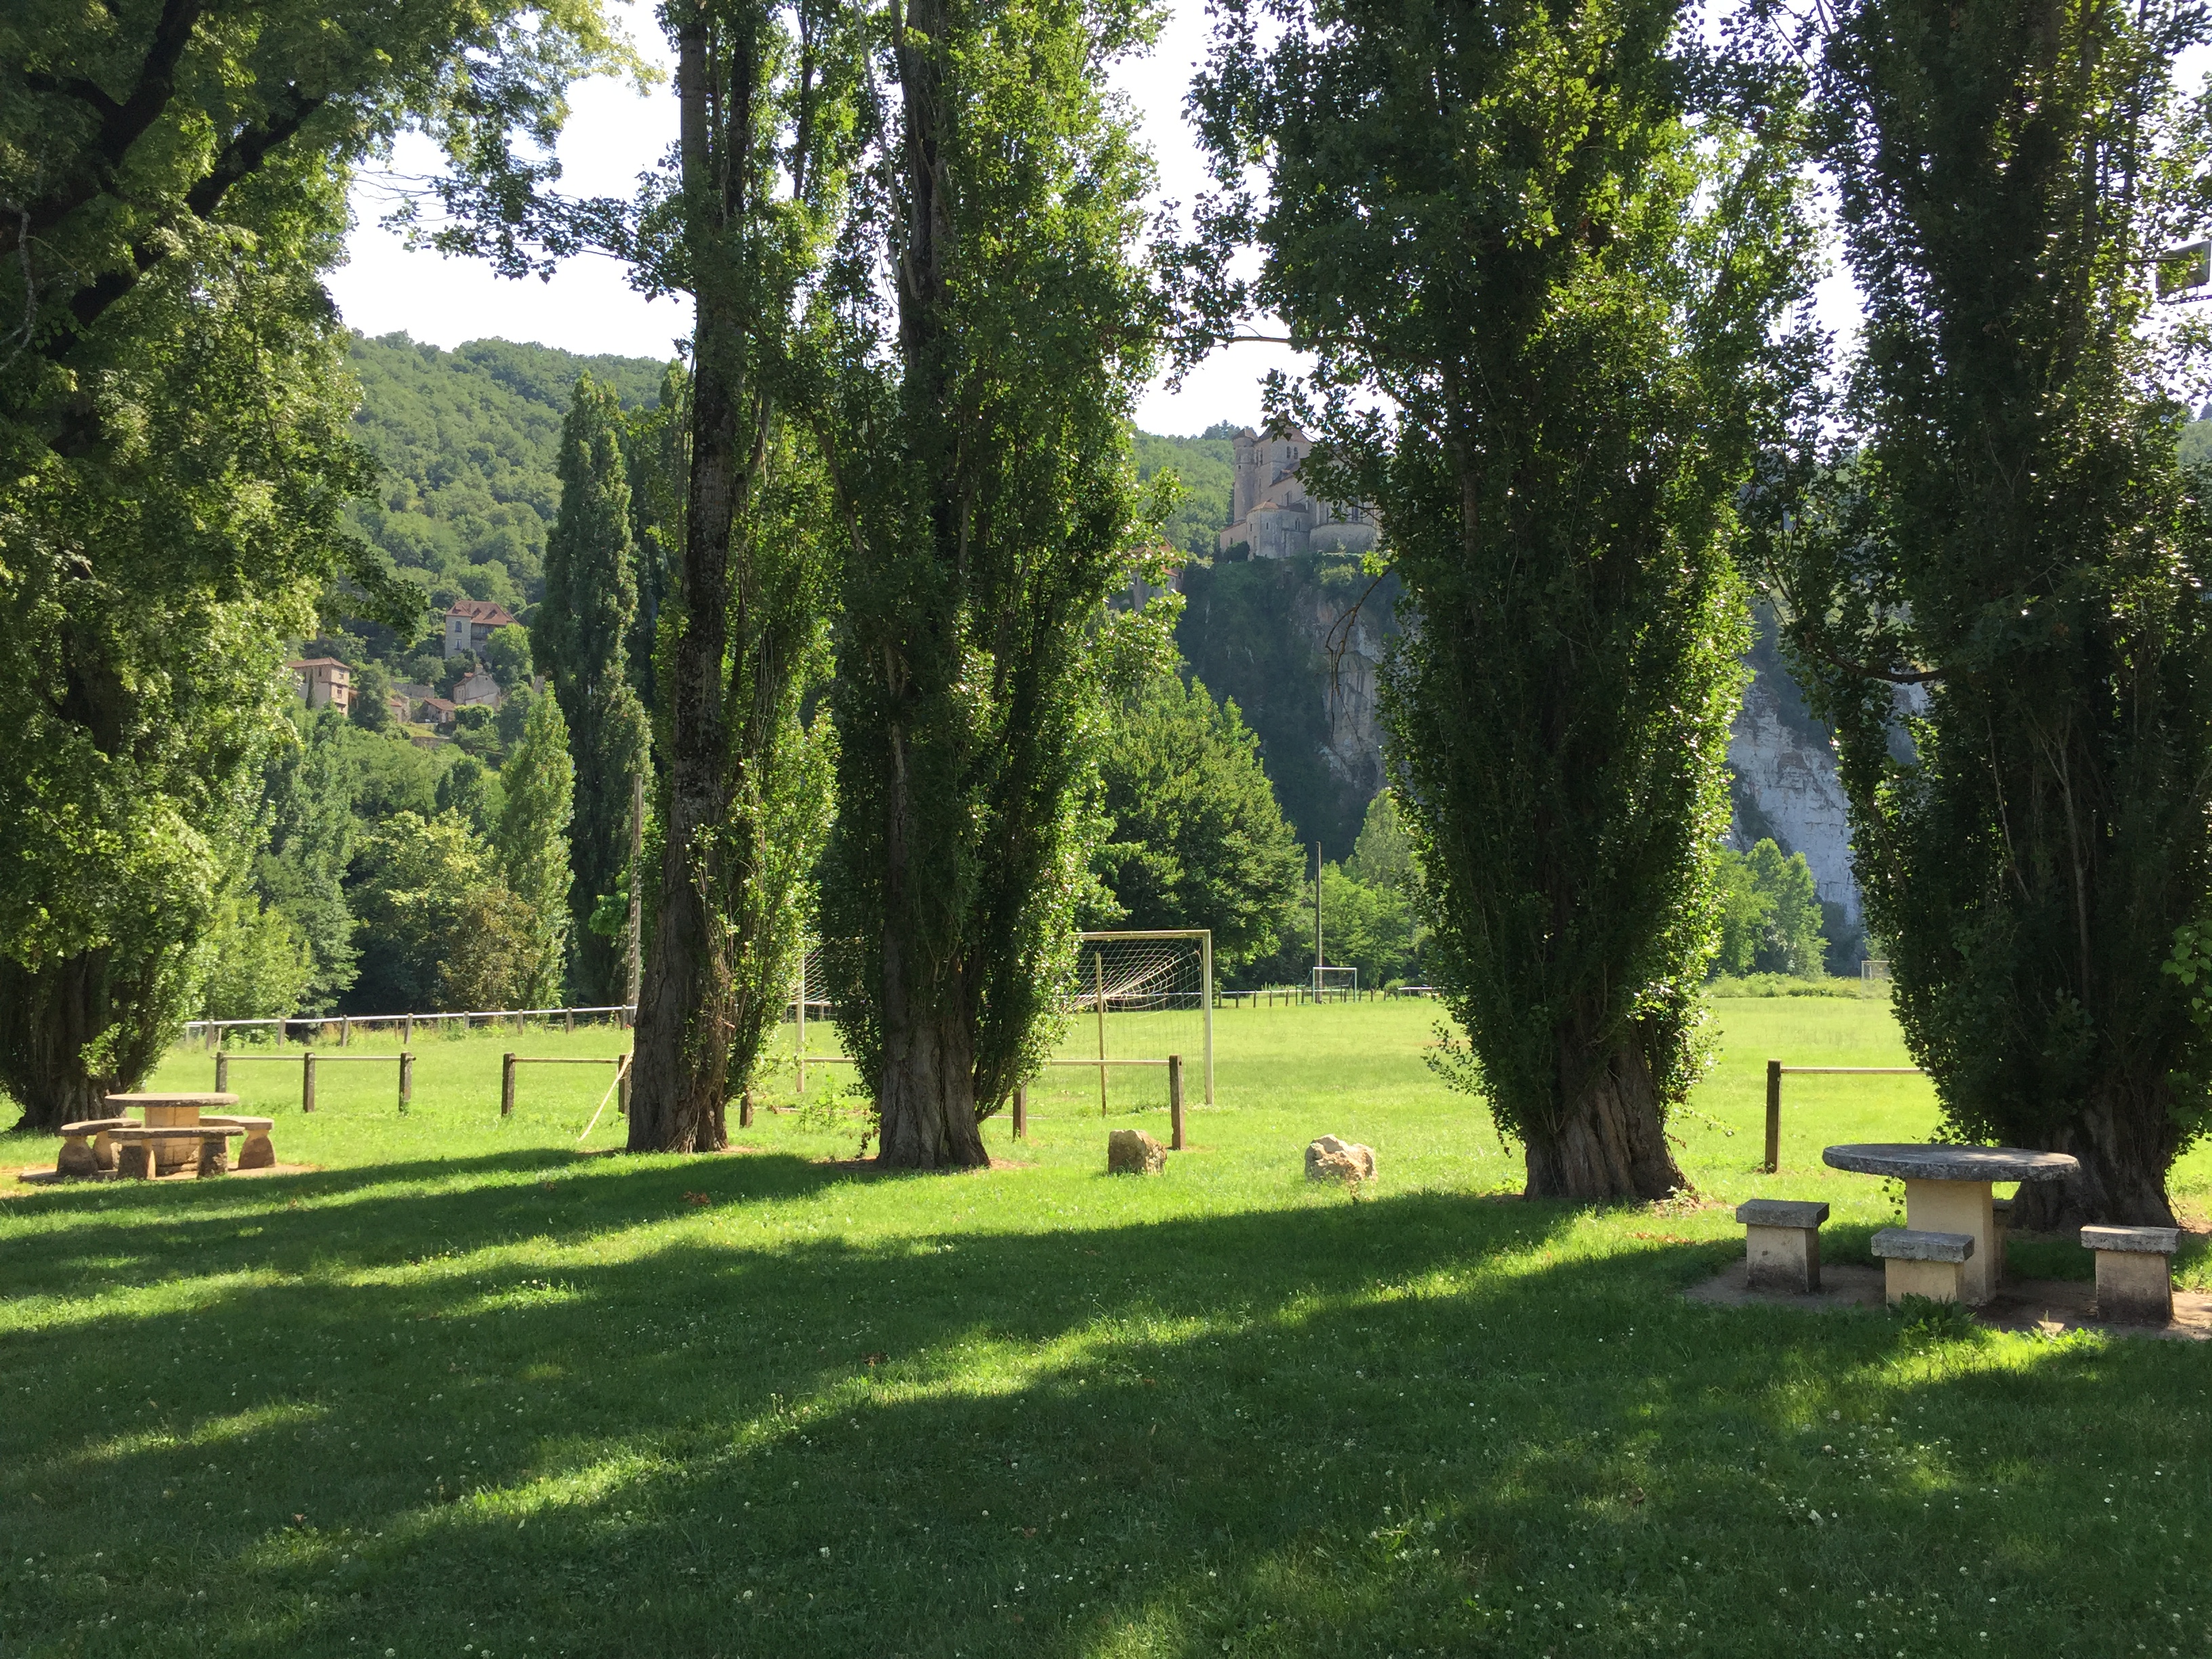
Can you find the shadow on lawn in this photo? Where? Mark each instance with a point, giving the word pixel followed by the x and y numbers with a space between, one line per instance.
pixel 1373 1427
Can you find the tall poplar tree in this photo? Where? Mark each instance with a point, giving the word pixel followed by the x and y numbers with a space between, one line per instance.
pixel 981 446
pixel 536 806
pixel 1995 585
pixel 581 640
pixel 1563 276
pixel 766 94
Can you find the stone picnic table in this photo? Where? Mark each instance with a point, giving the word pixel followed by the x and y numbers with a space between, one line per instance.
pixel 1946 1190
pixel 170 1132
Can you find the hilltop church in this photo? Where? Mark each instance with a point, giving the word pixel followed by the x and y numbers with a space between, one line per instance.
pixel 1274 516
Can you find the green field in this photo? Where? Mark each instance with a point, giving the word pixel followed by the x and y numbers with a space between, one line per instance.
pixel 464 1391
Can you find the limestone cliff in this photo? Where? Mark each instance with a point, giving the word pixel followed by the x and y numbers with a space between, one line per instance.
pixel 1783 761
pixel 1297 642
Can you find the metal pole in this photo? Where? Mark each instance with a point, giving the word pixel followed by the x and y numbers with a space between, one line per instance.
pixel 1206 964
pixel 406 1078
pixel 307 1081
pixel 507 1085
pixel 1098 985
pixel 1319 961
pixel 1174 1103
pixel 1773 1116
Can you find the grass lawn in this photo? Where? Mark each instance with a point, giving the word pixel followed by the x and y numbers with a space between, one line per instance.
pixel 465 1392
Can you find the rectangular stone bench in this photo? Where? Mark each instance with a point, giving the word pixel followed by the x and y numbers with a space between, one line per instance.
pixel 2135 1272
pixel 256 1153
pixel 135 1159
pixel 1920 1263
pixel 88 1146
pixel 1781 1244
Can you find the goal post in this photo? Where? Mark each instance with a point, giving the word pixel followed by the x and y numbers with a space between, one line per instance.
pixel 1335 981
pixel 1140 995
pixel 1149 993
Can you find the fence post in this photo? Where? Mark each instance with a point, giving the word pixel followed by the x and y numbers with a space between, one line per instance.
pixel 1021 1111
pixel 568 1021
pixel 345 1030
pixel 746 1109
pixel 1174 1103
pixel 622 1086
pixel 406 1078
pixel 307 1081
pixel 1773 1116
pixel 407 1030
pixel 507 1085
pixel 222 1072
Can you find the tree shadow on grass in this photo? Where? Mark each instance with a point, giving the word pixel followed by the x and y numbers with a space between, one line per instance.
pixel 1420 1425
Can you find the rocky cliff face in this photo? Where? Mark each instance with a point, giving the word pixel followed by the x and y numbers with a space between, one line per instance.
pixel 1281 638
pixel 1784 785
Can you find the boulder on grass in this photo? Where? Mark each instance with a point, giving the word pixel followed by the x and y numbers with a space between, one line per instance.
pixel 1132 1151
pixel 1331 1158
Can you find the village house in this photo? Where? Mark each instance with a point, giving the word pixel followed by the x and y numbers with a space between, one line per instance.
pixel 477 688
pixel 324 682
pixel 470 625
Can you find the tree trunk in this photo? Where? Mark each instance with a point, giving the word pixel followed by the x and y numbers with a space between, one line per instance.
pixel 2125 1144
pixel 46 1021
pixel 926 1096
pixel 1608 1137
pixel 681 1068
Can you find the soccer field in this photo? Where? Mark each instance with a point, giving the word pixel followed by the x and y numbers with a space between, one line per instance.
pixel 468 1389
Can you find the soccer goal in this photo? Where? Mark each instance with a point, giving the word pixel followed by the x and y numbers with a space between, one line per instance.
pixel 1336 984
pixel 1874 976
pixel 1139 996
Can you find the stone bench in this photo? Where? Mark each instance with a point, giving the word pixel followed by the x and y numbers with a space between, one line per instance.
pixel 2135 1272
pixel 256 1153
pixel 88 1146
pixel 134 1145
pixel 1781 1244
pixel 1915 1262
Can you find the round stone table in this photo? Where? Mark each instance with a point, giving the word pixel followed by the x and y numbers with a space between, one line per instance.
pixel 1946 1190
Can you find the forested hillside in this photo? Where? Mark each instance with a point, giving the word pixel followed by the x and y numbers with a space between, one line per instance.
pixel 467 441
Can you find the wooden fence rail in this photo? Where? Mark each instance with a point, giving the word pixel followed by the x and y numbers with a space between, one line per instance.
pixel 1775 1071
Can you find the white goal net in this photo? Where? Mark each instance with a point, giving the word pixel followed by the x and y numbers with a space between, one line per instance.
pixel 1139 997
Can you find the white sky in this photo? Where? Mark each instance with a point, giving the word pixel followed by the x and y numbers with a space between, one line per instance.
pixel 614 135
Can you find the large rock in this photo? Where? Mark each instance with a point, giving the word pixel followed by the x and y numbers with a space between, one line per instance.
pixel 1132 1151
pixel 1331 1158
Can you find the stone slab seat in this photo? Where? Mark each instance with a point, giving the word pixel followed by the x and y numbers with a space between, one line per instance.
pixel 86 1146
pixel 1781 1244
pixel 1917 1262
pixel 2135 1272
pixel 135 1161
pixel 257 1153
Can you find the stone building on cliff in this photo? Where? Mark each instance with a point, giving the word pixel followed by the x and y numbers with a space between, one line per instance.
pixel 1273 516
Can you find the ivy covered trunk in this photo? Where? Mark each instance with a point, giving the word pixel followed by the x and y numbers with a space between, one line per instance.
pixel 682 1067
